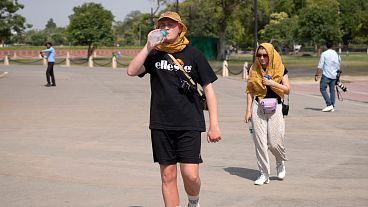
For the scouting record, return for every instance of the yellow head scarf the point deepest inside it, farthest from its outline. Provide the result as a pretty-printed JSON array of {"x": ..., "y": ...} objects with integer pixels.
[
  {"x": 275, "y": 69},
  {"x": 181, "y": 42}
]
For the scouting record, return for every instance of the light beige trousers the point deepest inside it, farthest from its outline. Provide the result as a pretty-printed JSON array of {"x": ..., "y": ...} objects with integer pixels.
[{"x": 268, "y": 133}]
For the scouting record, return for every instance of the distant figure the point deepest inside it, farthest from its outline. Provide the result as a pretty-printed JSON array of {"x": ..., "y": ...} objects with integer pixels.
[
  {"x": 50, "y": 55},
  {"x": 329, "y": 63},
  {"x": 119, "y": 54},
  {"x": 267, "y": 83}
]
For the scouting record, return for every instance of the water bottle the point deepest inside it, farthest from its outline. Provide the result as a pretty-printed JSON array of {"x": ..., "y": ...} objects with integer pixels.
[
  {"x": 157, "y": 36},
  {"x": 250, "y": 127},
  {"x": 286, "y": 99}
]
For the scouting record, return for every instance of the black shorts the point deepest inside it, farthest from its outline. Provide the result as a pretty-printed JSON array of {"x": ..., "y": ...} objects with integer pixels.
[{"x": 173, "y": 146}]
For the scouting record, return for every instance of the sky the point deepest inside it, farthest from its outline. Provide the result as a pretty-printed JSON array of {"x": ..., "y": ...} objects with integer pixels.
[{"x": 38, "y": 12}]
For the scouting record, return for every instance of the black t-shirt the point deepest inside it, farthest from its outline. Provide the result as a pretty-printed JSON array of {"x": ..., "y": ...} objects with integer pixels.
[
  {"x": 271, "y": 94},
  {"x": 170, "y": 108}
]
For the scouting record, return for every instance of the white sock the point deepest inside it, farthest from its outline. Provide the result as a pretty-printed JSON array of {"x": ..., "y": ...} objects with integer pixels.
[{"x": 193, "y": 201}]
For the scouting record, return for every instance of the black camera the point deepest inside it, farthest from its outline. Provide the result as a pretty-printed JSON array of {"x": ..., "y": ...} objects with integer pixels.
[
  {"x": 187, "y": 88},
  {"x": 338, "y": 82},
  {"x": 343, "y": 87}
]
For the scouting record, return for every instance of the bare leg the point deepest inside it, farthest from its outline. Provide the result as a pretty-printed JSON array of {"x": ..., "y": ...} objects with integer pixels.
[
  {"x": 169, "y": 185},
  {"x": 191, "y": 179}
]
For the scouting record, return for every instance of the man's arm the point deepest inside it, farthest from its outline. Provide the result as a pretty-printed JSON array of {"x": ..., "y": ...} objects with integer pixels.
[
  {"x": 319, "y": 67},
  {"x": 213, "y": 134},
  {"x": 48, "y": 50},
  {"x": 136, "y": 66},
  {"x": 316, "y": 76}
]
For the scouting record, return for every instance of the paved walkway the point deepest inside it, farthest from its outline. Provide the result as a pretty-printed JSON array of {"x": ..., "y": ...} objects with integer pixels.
[{"x": 85, "y": 143}]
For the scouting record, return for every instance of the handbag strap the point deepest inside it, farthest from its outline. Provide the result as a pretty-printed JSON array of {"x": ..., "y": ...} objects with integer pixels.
[{"x": 185, "y": 73}]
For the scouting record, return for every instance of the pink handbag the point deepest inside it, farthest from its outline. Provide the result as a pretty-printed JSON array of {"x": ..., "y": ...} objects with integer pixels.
[{"x": 268, "y": 105}]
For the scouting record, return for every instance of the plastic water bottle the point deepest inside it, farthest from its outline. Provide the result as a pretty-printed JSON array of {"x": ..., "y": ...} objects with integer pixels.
[
  {"x": 286, "y": 99},
  {"x": 157, "y": 36},
  {"x": 250, "y": 127}
]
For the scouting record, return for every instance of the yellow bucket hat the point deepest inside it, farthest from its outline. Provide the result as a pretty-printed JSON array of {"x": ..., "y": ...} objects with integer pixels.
[{"x": 174, "y": 16}]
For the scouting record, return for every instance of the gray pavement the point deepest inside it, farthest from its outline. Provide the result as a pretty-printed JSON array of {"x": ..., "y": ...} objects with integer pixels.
[{"x": 86, "y": 143}]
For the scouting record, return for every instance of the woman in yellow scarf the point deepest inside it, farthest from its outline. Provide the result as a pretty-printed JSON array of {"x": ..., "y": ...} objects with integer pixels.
[
  {"x": 268, "y": 82},
  {"x": 176, "y": 113}
]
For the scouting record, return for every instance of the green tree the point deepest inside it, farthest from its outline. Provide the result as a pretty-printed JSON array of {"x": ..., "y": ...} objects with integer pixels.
[
  {"x": 211, "y": 18},
  {"x": 51, "y": 33},
  {"x": 354, "y": 17},
  {"x": 281, "y": 31},
  {"x": 291, "y": 7},
  {"x": 223, "y": 14},
  {"x": 35, "y": 37},
  {"x": 10, "y": 22},
  {"x": 134, "y": 29},
  {"x": 235, "y": 33},
  {"x": 54, "y": 34},
  {"x": 90, "y": 25},
  {"x": 320, "y": 21},
  {"x": 50, "y": 24},
  {"x": 287, "y": 6}
]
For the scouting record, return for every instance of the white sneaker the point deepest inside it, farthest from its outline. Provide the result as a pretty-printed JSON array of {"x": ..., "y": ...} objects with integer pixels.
[
  {"x": 281, "y": 170},
  {"x": 263, "y": 179},
  {"x": 328, "y": 109},
  {"x": 193, "y": 205}
]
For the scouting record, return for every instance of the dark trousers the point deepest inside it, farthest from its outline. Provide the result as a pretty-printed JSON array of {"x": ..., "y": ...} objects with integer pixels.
[{"x": 50, "y": 73}]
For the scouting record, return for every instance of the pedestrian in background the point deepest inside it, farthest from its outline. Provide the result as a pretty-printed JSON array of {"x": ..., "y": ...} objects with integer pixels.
[
  {"x": 329, "y": 63},
  {"x": 176, "y": 116},
  {"x": 49, "y": 54},
  {"x": 267, "y": 83}
]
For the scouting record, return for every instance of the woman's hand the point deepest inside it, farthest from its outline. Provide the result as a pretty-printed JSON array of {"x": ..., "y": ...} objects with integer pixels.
[
  {"x": 267, "y": 82},
  {"x": 247, "y": 116}
]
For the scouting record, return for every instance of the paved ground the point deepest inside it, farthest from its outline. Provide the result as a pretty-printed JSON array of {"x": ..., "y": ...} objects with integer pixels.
[{"x": 86, "y": 143}]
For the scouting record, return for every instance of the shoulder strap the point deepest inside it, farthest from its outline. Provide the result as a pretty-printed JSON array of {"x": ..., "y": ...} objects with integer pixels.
[
  {"x": 181, "y": 68},
  {"x": 185, "y": 73}
]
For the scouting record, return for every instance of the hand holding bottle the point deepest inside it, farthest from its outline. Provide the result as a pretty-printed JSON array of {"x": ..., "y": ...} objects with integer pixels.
[{"x": 156, "y": 37}]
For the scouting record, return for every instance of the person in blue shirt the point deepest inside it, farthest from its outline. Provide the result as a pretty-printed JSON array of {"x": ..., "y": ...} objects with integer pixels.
[
  {"x": 50, "y": 56},
  {"x": 329, "y": 63}
]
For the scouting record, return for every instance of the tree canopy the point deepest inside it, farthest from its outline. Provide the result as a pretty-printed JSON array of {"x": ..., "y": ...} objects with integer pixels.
[
  {"x": 320, "y": 21},
  {"x": 50, "y": 24},
  {"x": 231, "y": 22},
  {"x": 11, "y": 24},
  {"x": 90, "y": 25}
]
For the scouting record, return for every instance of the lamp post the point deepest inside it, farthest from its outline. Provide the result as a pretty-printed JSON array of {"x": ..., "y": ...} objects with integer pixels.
[
  {"x": 255, "y": 11},
  {"x": 177, "y": 6}
]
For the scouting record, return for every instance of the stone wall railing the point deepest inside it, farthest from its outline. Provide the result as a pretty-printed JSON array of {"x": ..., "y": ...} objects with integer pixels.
[{"x": 72, "y": 53}]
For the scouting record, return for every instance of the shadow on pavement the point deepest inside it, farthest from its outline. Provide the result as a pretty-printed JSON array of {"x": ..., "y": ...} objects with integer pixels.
[
  {"x": 249, "y": 174},
  {"x": 312, "y": 109}
]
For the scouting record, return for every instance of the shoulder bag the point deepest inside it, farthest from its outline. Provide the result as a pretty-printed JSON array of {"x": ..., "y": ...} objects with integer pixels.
[{"x": 200, "y": 92}]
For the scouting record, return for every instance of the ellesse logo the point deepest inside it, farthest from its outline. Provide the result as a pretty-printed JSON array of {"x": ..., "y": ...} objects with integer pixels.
[{"x": 165, "y": 65}]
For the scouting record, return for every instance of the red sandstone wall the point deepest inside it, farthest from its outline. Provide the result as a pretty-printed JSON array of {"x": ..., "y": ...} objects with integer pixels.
[{"x": 72, "y": 53}]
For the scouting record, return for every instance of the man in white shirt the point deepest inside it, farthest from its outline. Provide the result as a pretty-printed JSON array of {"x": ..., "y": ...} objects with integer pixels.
[{"x": 329, "y": 63}]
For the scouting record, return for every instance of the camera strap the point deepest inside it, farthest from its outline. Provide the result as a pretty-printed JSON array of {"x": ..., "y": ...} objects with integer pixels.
[
  {"x": 339, "y": 95},
  {"x": 185, "y": 73}
]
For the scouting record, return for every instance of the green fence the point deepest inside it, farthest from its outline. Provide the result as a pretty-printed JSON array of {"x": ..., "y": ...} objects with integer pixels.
[{"x": 207, "y": 45}]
